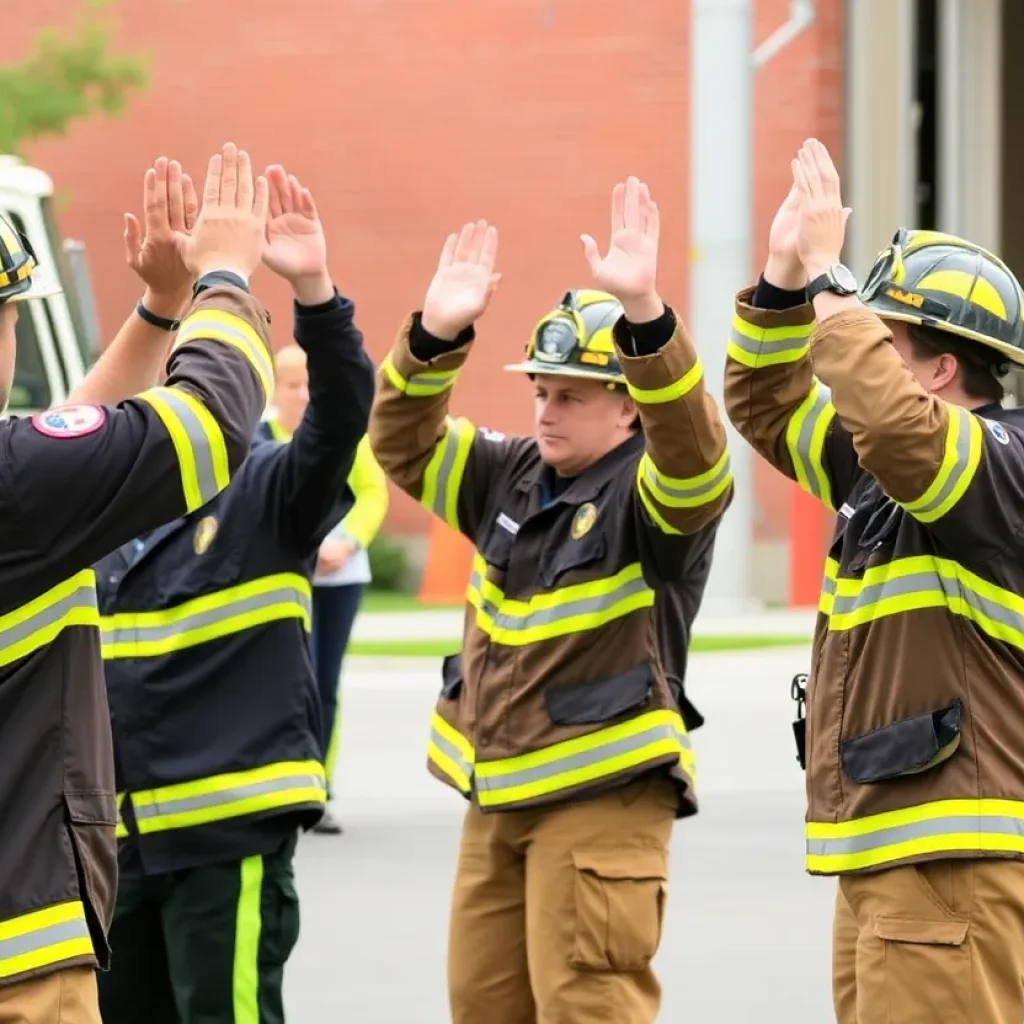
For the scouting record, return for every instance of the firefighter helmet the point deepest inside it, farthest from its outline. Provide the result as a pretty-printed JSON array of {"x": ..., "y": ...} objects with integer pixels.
[
  {"x": 952, "y": 285},
  {"x": 575, "y": 339},
  {"x": 19, "y": 277}
]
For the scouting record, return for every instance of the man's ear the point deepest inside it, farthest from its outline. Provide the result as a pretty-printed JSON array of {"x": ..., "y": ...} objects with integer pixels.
[
  {"x": 945, "y": 371},
  {"x": 629, "y": 411}
]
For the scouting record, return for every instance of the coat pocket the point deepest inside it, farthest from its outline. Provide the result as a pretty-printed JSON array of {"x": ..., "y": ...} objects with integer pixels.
[
  {"x": 451, "y": 677},
  {"x": 91, "y": 824},
  {"x": 907, "y": 747},
  {"x": 619, "y": 894},
  {"x": 600, "y": 701}
]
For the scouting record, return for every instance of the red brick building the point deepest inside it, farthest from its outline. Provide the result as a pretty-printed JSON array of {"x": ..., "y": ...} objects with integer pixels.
[{"x": 406, "y": 119}]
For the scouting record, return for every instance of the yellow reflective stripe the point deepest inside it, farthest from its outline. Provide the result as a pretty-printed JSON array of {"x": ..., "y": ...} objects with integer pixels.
[
  {"x": 757, "y": 347},
  {"x": 245, "y": 978},
  {"x": 598, "y": 755},
  {"x": 122, "y": 829},
  {"x": 33, "y": 626},
  {"x": 419, "y": 385},
  {"x": 235, "y": 609},
  {"x": 684, "y": 492},
  {"x": 651, "y": 507},
  {"x": 924, "y": 581},
  {"x": 670, "y": 392},
  {"x": 216, "y": 325},
  {"x": 943, "y": 826},
  {"x": 198, "y": 443},
  {"x": 554, "y": 613},
  {"x": 233, "y": 795},
  {"x": 806, "y": 434},
  {"x": 450, "y": 752},
  {"x": 828, "y": 586},
  {"x": 960, "y": 460},
  {"x": 43, "y": 938},
  {"x": 443, "y": 476}
]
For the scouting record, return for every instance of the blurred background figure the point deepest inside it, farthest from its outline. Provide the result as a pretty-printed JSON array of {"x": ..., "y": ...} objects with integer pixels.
[{"x": 343, "y": 564}]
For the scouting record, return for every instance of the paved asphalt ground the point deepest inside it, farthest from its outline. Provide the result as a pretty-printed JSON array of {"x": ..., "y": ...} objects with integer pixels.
[{"x": 747, "y": 934}]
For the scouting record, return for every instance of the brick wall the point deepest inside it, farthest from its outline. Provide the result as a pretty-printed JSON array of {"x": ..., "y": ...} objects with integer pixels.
[{"x": 407, "y": 118}]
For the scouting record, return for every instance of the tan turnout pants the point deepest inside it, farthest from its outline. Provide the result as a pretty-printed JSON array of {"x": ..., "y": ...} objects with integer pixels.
[
  {"x": 936, "y": 942},
  {"x": 64, "y": 997},
  {"x": 557, "y": 913}
]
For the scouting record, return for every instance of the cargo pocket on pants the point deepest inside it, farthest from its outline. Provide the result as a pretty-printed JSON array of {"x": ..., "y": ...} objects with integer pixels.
[{"x": 620, "y": 897}]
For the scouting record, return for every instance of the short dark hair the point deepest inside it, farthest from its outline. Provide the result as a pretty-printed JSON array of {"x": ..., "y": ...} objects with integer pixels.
[{"x": 980, "y": 366}]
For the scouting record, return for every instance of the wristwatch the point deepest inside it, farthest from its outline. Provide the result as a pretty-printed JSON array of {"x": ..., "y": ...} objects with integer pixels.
[{"x": 838, "y": 278}]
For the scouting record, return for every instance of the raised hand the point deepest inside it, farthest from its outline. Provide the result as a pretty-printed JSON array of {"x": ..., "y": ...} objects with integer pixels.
[
  {"x": 464, "y": 281},
  {"x": 296, "y": 246},
  {"x": 170, "y": 208},
  {"x": 821, "y": 222},
  {"x": 629, "y": 270},
  {"x": 230, "y": 231},
  {"x": 784, "y": 269}
]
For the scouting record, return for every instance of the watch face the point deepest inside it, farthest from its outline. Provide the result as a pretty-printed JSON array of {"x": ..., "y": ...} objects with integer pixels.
[{"x": 844, "y": 278}]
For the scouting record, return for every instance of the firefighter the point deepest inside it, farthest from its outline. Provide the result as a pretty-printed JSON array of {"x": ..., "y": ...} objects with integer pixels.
[
  {"x": 887, "y": 407},
  {"x": 75, "y": 482},
  {"x": 557, "y": 722},
  {"x": 213, "y": 701},
  {"x": 343, "y": 562}
]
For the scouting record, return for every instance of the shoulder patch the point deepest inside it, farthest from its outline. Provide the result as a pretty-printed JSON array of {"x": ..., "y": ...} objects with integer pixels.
[
  {"x": 70, "y": 421},
  {"x": 997, "y": 430}
]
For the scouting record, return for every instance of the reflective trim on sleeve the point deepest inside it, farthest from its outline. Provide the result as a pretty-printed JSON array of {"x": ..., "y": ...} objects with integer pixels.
[
  {"x": 38, "y": 623},
  {"x": 684, "y": 492},
  {"x": 940, "y": 827},
  {"x": 806, "y": 434},
  {"x": 198, "y": 442},
  {"x": 960, "y": 461},
  {"x": 670, "y": 392},
  {"x": 232, "y": 610},
  {"x": 44, "y": 938},
  {"x": 419, "y": 385},
  {"x": 757, "y": 347},
  {"x": 443, "y": 476},
  {"x": 270, "y": 787},
  {"x": 555, "y": 613},
  {"x": 216, "y": 325}
]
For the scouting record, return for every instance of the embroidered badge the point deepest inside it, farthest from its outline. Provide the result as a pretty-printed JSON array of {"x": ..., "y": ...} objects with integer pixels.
[
  {"x": 586, "y": 516},
  {"x": 70, "y": 421},
  {"x": 206, "y": 530},
  {"x": 997, "y": 430}
]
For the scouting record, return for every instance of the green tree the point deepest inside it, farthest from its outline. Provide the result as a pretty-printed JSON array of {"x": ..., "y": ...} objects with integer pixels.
[{"x": 66, "y": 77}]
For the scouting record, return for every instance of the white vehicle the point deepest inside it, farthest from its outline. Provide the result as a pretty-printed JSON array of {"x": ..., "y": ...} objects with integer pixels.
[{"x": 56, "y": 341}]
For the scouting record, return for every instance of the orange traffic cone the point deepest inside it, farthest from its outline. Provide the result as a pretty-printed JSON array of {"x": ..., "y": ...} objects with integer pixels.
[{"x": 449, "y": 562}]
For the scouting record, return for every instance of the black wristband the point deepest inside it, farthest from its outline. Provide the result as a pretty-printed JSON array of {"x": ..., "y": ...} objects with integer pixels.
[
  {"x": 157, "y": 321},
  {"x": 216, "y": 277}
]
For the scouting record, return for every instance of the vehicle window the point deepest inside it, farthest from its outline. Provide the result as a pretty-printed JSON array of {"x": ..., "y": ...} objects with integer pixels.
[
  {"x": 68, "y": 282},
  {"x": 31, "y": 389}
]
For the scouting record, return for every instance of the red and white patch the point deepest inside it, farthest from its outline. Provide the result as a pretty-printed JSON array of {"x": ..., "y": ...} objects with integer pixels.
[{"x": 70, "y": 421}]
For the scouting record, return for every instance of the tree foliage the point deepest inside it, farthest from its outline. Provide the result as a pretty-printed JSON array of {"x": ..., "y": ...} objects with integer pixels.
[{"x": 66, "y": 77}]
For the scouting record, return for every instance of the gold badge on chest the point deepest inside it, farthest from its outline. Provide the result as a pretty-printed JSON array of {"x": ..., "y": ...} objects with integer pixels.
[
  {"x": 586, "y": 516},
  {"x": 206, "y": 530}
]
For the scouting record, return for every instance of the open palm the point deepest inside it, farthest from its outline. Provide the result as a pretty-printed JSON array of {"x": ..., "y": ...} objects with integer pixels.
[
  {"x": 296, "y": 246},
  {"x": 464, "y": 281},
  {"x": 629, "y": 270},
  {"x": 783, "y": 233}
]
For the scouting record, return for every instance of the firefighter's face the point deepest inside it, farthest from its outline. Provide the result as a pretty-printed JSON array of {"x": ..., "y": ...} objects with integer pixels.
[
  {"x": 578, "y": 421},
  {"x": 8, "y": 318},
  {"x": 291, "y": 386}
]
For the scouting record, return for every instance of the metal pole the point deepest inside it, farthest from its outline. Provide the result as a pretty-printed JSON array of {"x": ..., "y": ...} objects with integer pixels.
[
  {"x": 721, "y": 85},
  {"x": 951, "y": 89}
]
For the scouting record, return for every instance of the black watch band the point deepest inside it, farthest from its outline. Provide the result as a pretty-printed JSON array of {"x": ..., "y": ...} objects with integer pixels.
[
  {"x": 163, "y": 322},
  {"x": 215, "y": 277},
  {"x": 838, "y": 279}
]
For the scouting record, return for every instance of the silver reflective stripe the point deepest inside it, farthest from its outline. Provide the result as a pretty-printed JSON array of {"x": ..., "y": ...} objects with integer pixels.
[
  {"x": 561, "y": 612},
  {"x": 83, "y": 596},
  {"x": 142, "y": 634},
  {"x": 583, "y": 759},
  {"x": 956, "y": 470},
  {"x": 41, "y": 938},
  {"x": 206, "y": 476},
  {"x": 961, "y": 824},
  {"x": 451, "y": 752},
  {"x": 690, "y": 493},
  {"x": 444, "y": 471},
  {"x": 801, "y": 447},
  {"x": 421, "y": 385},
  {"x": 222, "y": 797},
  {"x": 760, "y": 348},
  {"x": 203, "y": 328}
]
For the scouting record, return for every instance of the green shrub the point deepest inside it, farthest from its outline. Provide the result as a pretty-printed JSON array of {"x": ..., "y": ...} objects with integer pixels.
[{"x": 389, "y": 564}]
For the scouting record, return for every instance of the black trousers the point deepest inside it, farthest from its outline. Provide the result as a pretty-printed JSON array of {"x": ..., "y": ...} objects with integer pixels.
[{"x": 203, "y": 946}]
